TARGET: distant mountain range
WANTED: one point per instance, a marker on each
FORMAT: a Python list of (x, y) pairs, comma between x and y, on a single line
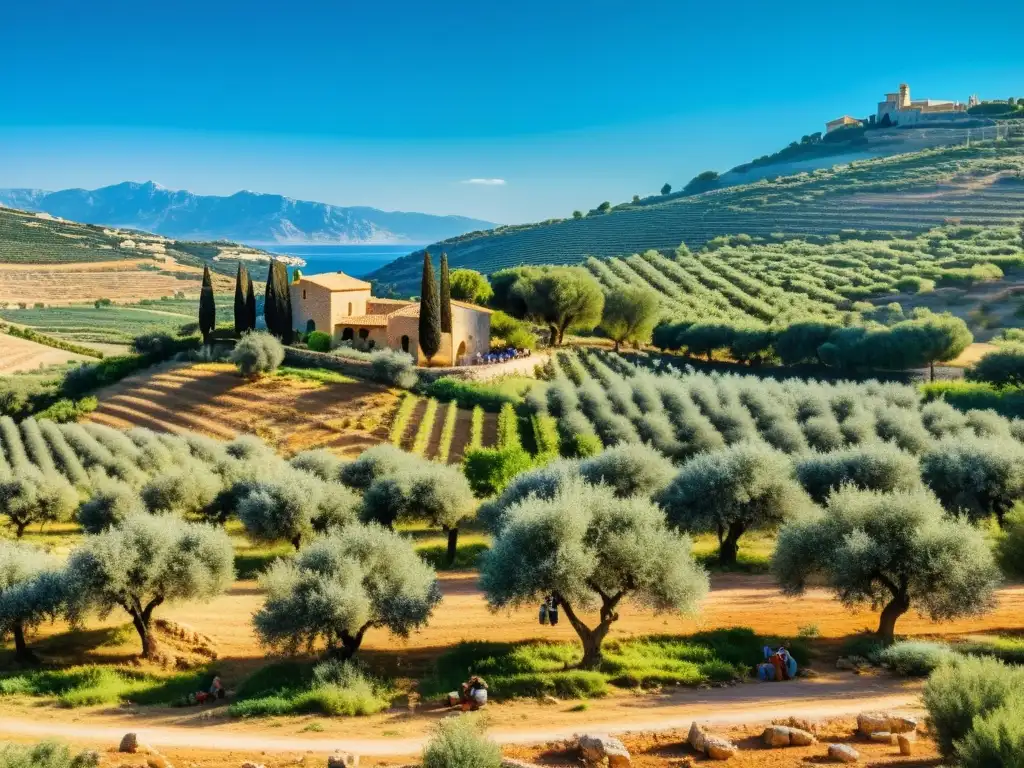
[(248, 217)]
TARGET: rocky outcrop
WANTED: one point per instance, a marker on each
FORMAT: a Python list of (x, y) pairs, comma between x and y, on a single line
[(869, 723), (776, 736), (715, 747), (343, 760)]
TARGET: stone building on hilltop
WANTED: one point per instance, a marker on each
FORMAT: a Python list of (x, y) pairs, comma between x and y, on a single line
[(342, 306), (902, 110)]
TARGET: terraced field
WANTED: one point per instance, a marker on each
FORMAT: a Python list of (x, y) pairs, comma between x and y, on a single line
[(116, 324), (980, 184), (742, 280)]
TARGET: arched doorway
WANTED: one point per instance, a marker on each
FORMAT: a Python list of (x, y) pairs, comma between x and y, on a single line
[(461, 353), (310, 325), (346, 335), (405, 343), (363, 333)]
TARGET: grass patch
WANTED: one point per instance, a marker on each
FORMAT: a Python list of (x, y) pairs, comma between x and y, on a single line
[(320, 375), (294, 688), (754, 556), (92, 685), (1008, 648), (533, 669), (467, 556)]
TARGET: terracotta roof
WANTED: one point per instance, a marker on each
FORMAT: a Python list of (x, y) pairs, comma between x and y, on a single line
[(413, 310), (384, 306), (336, 281), (365, 320)]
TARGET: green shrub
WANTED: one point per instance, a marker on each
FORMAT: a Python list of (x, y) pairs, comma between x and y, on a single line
[(586, 445), (65, 410), (915, 658), (996, 740), (1010, 549), (50, 341), (1003, 367), (976, 395), (390, 366), (965, 689), (48, 754), (490, 470), (318, 341), (468, 394), (256, 353), (335, 688), (460, 742)]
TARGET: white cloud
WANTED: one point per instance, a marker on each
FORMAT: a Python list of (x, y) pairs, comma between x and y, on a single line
[(486, 182)]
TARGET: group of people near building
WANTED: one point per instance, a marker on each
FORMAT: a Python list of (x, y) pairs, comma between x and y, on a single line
[(498, 356)]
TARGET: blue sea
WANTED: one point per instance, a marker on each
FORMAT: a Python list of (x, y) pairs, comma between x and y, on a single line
[(355, 260)]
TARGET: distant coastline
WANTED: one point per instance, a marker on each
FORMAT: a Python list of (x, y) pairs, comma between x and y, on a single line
[(355, 260)]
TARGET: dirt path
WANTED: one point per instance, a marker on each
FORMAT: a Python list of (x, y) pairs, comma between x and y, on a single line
[(519, 723)]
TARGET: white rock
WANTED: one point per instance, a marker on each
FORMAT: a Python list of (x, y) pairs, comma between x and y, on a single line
[(900, 724), (842, 753), (696, 737), (883, 737), (718, 748), (872, 722), (776, 736), (599, 749), (906, 744)]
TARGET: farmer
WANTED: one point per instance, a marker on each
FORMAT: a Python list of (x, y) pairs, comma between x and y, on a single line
[(472, 695)]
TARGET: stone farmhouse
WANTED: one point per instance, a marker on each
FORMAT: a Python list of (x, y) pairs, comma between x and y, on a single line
[(342, 306)]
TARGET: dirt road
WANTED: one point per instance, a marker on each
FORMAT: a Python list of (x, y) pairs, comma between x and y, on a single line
[(398, 733)]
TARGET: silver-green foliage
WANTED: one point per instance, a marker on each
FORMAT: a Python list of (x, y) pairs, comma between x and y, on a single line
[(460, 742), (979, 476), (144, 562), (543, 483), (48, 754), (31, 591), (110, 503), (875, 467), (256, 353), (591, 549), (890, 551), (437, 493), (970, 692), (732, 490), (629, 470), (319, 462), (374, 463), (29, 496), (341, 585), (292, 505)]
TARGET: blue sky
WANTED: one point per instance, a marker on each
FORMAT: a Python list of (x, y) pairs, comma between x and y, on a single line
[(398, 104)]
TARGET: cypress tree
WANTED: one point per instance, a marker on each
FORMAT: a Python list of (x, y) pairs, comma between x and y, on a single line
[(207, 307), (250, 304), (241, 319), (430, 311), (270, 300), (446, 296), (283, 297)]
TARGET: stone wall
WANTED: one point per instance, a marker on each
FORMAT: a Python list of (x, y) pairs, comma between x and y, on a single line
[(524, 366)]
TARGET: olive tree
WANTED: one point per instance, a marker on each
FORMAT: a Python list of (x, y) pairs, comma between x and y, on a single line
[(437, 493), (874, 467), (111, 502), (590, 549), (732, 490), (470, 285), (31, 590), (342, 585), (630, 314), (185, 489), (29, 496), (258, 352), (563, 298), (144, 562), (891, 551), (542, 483), (293, 505), (319, 462), (632, 469), (373, 463), (979, 476)]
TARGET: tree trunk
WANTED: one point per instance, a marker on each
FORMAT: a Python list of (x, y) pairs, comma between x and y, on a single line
[(616, 342), (19, 528), (22, 654), (149, 644), (592, 638), (453, 546), (931, 368), (899, 605), (729, 547), (709, 355), (553, 340), (350, 643), (297, 542)]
